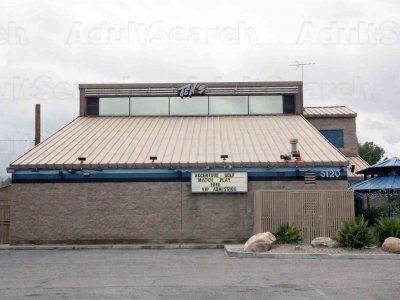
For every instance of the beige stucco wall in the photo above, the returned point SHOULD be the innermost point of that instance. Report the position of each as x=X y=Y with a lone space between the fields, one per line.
x=349 y=127
x=135 y=212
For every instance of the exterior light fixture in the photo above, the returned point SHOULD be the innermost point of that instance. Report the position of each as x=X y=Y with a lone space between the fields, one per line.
x=10 y=170
x=352 y=168
x=153 y=159
x=81 y=159
x=224 y=157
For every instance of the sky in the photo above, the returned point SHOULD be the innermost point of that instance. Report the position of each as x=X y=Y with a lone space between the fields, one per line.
x=48 y=47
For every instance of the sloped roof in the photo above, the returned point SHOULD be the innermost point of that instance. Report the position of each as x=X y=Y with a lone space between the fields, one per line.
x=359 y=164
x=128 y=142
x=390 y=182
x=388 y=163
x=391 y=163
x=328 y=112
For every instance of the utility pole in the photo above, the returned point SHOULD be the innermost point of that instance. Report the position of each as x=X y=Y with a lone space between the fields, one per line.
x=37 y=124
x=301 y=65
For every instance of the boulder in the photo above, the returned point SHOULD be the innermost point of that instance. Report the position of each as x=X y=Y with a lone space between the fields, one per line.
x=320 y=242
x=260 y=242
x=392 y=245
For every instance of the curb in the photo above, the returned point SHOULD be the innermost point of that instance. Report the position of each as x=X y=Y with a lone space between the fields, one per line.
x=234 y=251
x=112 y=247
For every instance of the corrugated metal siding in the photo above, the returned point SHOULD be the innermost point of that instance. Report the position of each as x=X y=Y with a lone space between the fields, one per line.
x=328 y=111
x=127 y=142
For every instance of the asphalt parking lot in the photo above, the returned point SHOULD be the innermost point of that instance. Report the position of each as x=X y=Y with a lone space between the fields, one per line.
x=189 y=274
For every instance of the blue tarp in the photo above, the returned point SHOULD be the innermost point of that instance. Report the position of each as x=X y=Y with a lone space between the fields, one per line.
x=389 y=182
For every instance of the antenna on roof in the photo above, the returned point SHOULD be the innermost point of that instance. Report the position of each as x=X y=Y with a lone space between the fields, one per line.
x=301 y=65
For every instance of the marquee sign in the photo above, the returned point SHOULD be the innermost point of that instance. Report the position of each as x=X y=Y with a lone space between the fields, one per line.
x=191 y=89
x=219 y=182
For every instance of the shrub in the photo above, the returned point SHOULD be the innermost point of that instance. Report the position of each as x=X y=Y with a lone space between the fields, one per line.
x=355 y=234
x=396 y=204
x=387 y=227
x=287 y=234
x=372 y=214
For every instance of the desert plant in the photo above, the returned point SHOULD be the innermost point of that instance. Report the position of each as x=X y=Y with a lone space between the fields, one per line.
x=286 y=233
x=372 y=214
x=387 y=227
x=355 y=234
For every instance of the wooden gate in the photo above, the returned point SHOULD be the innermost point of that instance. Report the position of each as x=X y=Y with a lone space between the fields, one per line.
x=316 y=213
x=5 y=199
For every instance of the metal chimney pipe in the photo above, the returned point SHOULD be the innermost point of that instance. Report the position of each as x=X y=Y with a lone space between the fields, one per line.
x=293 y=143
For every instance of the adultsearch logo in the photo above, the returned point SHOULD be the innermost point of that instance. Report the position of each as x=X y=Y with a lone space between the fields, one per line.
x=158 y=32
x=44 y=87
x=12 y=34
x=359 y=33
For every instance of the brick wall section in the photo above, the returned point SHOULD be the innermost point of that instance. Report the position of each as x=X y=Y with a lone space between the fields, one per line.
x=349 y=127
x=135 y=212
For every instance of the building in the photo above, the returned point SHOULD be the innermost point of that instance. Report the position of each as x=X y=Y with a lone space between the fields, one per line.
x=338 y=125
x=176 y=162
x=381 y=187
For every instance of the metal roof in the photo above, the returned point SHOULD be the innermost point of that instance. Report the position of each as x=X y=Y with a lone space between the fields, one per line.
x=359 y=164
x=391 y=163
x=128 y=142
x=328 y=112
x=390 y=182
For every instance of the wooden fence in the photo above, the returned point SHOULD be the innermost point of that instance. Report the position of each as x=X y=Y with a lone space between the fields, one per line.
x=316 y=213
x=5 y=199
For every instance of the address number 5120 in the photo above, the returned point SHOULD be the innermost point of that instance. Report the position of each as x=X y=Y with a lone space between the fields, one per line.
x=330 y=173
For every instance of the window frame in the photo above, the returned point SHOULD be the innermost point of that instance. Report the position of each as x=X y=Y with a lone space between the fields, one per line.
x=326 y=132
x=168 y=99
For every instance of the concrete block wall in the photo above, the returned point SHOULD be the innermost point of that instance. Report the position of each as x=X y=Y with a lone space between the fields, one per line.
x=135 y=212
x=349 y=127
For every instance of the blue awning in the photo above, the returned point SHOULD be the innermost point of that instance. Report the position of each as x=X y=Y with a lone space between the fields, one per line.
x=389 y=182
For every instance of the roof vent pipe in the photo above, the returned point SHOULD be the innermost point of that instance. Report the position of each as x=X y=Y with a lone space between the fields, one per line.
x=293 y=143
x=294 y=149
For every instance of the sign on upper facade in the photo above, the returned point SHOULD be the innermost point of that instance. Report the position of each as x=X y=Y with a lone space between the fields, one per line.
x=191 y=89
x=219 y=182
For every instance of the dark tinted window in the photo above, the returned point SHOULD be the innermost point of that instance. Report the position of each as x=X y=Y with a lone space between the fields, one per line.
x=335 y=136
x=93 y=107
x=288 y=104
